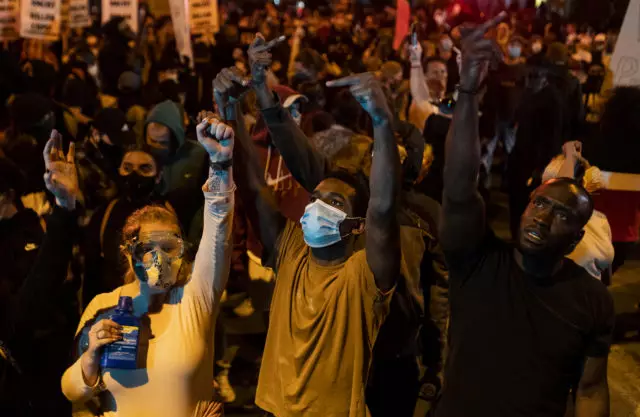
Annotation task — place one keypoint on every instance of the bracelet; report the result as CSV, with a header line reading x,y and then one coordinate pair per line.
x,y
221,165
468,92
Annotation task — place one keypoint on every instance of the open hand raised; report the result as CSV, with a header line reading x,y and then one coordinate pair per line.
x,y
61,177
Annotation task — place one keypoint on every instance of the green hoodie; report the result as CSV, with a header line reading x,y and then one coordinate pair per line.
x,y
186,169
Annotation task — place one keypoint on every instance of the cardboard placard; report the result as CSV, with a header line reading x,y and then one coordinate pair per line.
x,y
625,62
125,8
181,28
203,17
79,16
9,20
40,19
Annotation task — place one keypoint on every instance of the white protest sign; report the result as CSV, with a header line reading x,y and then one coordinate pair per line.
x,y
181,28
9,20
625,62
204,17
124,8
40,19
79,16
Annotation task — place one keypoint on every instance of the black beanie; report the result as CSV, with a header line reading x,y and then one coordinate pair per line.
x,y
113,123
28,109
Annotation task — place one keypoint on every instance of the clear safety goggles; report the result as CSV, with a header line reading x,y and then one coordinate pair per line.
x,y
143,246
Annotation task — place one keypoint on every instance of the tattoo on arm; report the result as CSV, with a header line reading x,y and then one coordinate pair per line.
x,y
219,181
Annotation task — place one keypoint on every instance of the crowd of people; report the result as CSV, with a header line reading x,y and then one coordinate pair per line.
x,y
302,147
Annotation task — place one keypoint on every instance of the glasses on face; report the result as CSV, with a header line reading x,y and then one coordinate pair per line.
x,y
143,246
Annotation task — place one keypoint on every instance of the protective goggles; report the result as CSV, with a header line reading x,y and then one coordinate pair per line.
x,y
142,247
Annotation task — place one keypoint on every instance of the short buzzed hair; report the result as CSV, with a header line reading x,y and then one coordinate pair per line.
x,y
360,184
572,183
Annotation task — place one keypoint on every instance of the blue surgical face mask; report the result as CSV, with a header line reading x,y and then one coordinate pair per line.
x,y
321,224
515,51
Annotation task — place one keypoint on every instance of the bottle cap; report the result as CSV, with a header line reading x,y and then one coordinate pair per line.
x,y
125,303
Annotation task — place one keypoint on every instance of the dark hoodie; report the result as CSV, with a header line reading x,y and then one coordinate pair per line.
x,y
186,168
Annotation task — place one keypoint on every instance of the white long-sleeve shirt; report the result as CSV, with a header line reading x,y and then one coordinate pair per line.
x,y
177,378
421,108
595,251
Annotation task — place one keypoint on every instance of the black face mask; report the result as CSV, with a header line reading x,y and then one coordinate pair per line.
x,y
137,187
161,154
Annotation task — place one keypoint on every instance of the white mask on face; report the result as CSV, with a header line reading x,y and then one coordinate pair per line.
x,y
515,51
157,260
321,224
160,273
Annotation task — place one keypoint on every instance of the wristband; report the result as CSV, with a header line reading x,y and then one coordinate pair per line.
x,y
468,92
221,165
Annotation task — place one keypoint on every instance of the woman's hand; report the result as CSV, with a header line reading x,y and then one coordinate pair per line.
x,y
415,54
216,137
101,334
61,177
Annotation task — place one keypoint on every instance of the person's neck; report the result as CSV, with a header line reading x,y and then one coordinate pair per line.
x,y
335,254
150,303
543,266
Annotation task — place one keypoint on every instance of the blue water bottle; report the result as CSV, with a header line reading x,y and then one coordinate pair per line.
x,y
122,354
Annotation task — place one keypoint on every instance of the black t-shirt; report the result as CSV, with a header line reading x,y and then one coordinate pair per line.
x,y
518,343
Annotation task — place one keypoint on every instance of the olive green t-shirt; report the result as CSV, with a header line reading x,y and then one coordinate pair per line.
x,y
323,325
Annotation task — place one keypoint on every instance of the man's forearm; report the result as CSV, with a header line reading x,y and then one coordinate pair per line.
x,y
263,213
385,170
462,151
306,164
383,230
264,96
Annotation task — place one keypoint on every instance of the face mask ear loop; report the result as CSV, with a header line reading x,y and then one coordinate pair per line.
x,y
351,232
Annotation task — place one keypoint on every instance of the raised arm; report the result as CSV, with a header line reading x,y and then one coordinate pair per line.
x,y
305,163
260,205
383,229
50,268
417,80
211,268
463,218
